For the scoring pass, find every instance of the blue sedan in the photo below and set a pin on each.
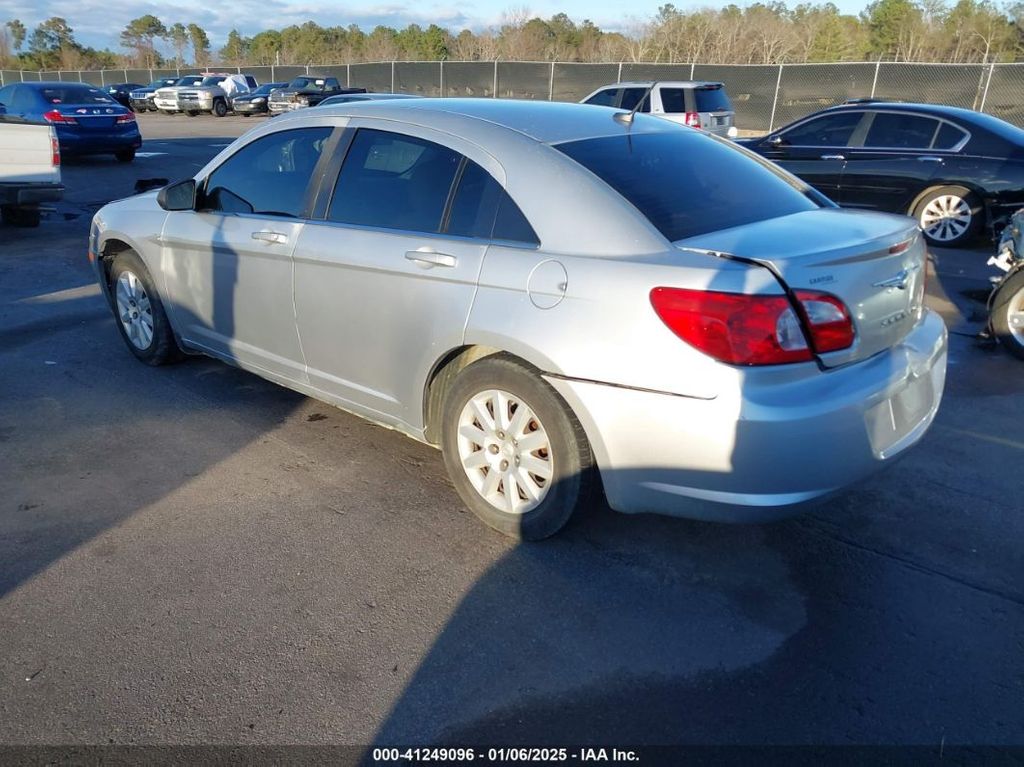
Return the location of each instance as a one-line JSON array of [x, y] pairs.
[[87, 120]]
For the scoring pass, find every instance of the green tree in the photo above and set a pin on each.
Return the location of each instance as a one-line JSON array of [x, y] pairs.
[[18, 32], [140, 35], [234, 49], [52, 44], [265, 47], [200, 45], [888, 23], [177, 35]]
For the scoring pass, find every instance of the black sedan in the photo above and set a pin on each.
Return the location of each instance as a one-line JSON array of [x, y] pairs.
[[952, 169], [140, 98], [121, 92], [254, 102]]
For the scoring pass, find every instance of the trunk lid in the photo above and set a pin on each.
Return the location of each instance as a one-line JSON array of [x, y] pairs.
[[91, 116], [874, 263]]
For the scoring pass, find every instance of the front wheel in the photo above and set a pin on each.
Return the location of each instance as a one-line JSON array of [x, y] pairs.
[[1008, 314], [514, 450], [140, 313], [949, 216], [219, 108]]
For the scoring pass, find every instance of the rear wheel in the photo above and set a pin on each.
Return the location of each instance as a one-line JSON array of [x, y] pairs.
[[220, 108], [515, 452], [140, 313], [26, 217], [949, 216], [1008, 314], [125, 155]]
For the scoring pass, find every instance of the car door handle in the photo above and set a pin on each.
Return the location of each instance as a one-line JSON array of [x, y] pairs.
[[268, 237], [929, 159], [833, 157], [430, 258]]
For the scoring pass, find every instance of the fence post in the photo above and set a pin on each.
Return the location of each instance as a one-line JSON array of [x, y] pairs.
[[618, 79], [693, 68], [440, 79], [775, 101], [551, 83], [392, 76], [988, 81], [874, 82], [348, 75], [126, 75], [494, 87], [82, 81]]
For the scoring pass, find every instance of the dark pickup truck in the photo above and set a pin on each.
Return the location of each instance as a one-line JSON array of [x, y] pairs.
[[306, 91]]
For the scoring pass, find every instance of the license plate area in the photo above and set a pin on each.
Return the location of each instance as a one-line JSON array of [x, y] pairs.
[[896, 417]]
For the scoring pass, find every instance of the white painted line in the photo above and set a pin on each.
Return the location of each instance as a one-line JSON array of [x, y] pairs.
[[149, 154]]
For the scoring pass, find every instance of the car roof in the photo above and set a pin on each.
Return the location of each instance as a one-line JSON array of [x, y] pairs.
[[941, 110], [548, 122], [669, 83]]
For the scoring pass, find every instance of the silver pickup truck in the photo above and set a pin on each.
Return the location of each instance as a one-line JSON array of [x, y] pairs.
[[29, 170]]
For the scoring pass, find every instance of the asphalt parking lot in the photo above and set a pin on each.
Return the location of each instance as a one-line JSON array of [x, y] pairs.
[[193, 555]]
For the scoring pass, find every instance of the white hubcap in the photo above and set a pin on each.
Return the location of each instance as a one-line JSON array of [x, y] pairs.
[[505, 451], [134, 310], [946, 217]]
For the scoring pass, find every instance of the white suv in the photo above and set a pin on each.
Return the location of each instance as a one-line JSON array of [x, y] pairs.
[[696, 103]]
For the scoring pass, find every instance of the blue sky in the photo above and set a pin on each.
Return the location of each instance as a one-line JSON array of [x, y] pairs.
[[98, 22]]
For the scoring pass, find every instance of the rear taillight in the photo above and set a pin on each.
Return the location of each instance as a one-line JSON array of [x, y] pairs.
[[125, 118], [742, 329], [54, 152], [692, 119], [53, 116]]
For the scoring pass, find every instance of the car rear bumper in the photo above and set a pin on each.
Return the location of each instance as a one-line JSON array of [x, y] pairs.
[[30, 194], [764, 452], [71, 143]]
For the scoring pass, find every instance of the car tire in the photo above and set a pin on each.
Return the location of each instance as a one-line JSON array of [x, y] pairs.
[[28, 218], [949, 216], [139, 312], [125, 155], [220, 109], [192, 112], [1007, 314], [483, 402]]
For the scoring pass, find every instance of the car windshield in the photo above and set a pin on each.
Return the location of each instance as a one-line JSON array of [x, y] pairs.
[[264, 90], [163, 82], [687, 183], [307, 83], [189, 80], [209, 82], [75, 94]]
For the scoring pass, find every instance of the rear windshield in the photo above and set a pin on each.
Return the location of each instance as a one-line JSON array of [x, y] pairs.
[[712, 99], [687, 183], [75, 94]]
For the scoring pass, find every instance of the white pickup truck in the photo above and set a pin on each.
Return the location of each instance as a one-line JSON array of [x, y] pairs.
[[29, 170]]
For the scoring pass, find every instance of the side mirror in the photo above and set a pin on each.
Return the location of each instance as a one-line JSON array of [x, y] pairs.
[[179, 196], [775, 140]]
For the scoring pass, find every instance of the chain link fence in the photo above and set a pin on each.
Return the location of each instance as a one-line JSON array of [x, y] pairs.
[[765, 97]]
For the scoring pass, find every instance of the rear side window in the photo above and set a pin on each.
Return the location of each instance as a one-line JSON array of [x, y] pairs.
[[269, 176], [393, 181], [830, 130], [482, 208], [948, 137], [711, 99], [687, 183], [606, 98], [901, 131]]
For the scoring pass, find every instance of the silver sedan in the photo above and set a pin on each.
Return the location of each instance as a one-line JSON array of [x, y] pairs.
[[568, 300]]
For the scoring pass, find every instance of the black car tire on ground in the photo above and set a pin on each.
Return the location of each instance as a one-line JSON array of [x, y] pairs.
[[1009, 299], [968, 197], [163, 348], [125, 155], [573, 479], [220, 108], [25, 217], [192, 112]]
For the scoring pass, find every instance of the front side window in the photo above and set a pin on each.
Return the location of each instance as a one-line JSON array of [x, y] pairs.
[[393, 181], [633, 96], [687, 183], [829, 130], [270, 176], [892, 130]]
